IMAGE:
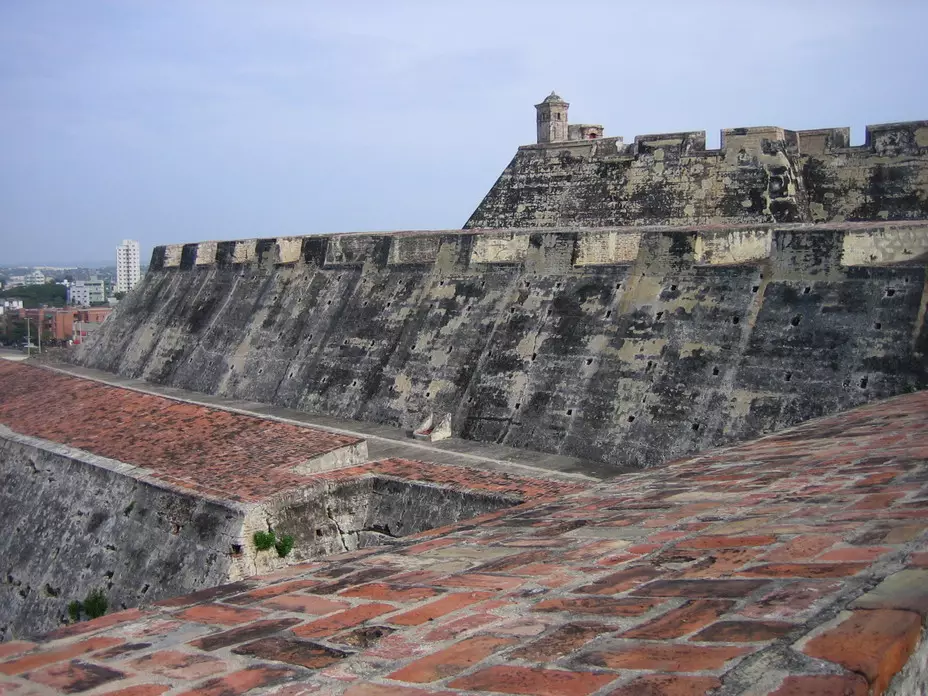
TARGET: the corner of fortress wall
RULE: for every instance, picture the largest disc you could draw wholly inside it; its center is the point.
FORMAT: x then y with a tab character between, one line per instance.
762	174
627	345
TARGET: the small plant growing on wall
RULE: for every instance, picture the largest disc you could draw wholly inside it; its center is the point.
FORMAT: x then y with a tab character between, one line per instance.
284	545
95	604
93	607
266	540
74	611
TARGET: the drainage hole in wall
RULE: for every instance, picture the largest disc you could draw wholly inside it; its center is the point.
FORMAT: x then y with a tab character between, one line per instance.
534	355
618	286
695	426
715	372
789	376
806	290
795	320
389	303
235	549
631	419
548	313
863	382
673	288
735	320
589	361
878	326
557	286
428	394
570	412
608	314
755	288
890	292
518	406
658	316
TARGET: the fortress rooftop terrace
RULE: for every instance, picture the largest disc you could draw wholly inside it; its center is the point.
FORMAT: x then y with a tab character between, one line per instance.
794	564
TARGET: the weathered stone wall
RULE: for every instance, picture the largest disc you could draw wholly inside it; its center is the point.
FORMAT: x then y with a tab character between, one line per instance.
623	345
758	175
75	522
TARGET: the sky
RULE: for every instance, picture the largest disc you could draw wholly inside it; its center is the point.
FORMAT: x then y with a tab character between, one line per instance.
173	121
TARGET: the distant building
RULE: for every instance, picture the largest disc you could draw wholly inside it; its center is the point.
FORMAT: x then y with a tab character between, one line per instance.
57	324
86	292
86	321
128	269
10	305
34	278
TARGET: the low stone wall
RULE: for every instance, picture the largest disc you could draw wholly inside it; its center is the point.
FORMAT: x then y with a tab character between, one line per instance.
75	522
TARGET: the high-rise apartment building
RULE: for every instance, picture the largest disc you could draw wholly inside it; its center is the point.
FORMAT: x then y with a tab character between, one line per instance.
128	270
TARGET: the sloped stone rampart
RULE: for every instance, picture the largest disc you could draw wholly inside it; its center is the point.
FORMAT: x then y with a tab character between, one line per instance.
76	522
554	340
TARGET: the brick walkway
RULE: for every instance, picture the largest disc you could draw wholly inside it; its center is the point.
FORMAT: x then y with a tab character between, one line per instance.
201	449
796	564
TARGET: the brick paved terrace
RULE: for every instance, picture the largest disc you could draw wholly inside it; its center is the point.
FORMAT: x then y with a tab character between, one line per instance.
795	564
210	451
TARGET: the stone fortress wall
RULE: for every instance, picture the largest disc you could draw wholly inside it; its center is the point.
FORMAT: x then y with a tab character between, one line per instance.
77	522
624	345
763	174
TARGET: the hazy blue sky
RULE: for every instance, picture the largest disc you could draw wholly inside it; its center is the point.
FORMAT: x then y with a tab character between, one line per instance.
185	120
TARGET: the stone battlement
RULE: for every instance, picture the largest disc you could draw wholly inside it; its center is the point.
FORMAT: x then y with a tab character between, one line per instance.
863	244
884	139
576	178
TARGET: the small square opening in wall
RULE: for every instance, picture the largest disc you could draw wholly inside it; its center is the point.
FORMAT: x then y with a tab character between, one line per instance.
890	292
570	412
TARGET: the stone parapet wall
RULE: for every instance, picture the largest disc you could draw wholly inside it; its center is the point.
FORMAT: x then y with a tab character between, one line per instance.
863	244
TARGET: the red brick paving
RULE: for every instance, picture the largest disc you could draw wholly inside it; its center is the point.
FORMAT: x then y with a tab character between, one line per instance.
725	554
205	449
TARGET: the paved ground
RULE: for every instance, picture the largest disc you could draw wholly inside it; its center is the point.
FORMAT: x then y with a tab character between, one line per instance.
795	564
383	442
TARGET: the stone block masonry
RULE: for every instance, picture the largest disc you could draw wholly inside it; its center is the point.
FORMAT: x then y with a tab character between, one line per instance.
627	345
765	174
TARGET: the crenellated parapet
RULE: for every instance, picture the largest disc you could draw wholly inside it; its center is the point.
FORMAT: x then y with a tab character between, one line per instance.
762	174
862	244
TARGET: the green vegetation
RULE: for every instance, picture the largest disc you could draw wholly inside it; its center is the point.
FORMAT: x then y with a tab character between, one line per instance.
284	545
266	540
37	295
93	607
95	604
74	611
